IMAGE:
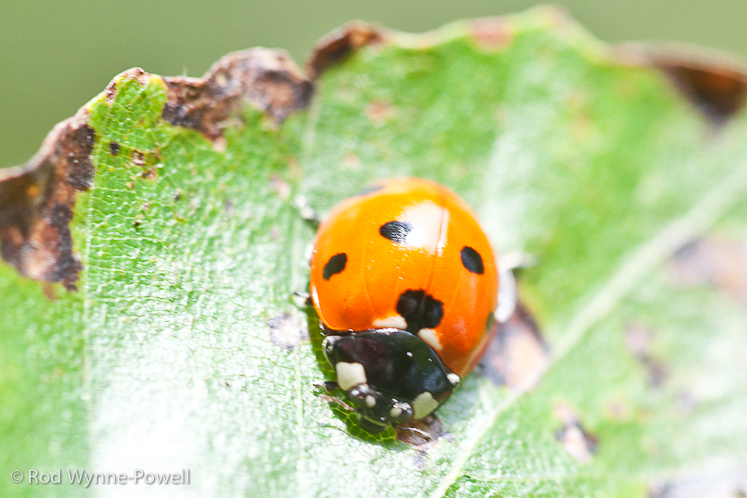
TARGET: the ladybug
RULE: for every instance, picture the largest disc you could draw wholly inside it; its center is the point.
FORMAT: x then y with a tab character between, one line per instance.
405	284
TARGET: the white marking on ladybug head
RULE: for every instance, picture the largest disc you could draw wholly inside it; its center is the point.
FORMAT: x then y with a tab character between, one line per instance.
370	401
394	321
428	221
424	404
350	374
430	336
395	412
454	379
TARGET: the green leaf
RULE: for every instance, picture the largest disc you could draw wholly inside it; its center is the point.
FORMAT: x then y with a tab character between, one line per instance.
191	248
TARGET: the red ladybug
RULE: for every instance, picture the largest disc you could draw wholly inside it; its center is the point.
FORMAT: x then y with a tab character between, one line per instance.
405	284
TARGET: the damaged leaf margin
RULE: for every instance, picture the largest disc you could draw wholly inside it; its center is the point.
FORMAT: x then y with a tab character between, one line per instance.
37	202
37	199
715	83
266	79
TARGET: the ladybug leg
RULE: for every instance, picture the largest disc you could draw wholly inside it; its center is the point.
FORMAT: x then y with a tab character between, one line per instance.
327	395
302	299
334	399
507	293
328	386
308	214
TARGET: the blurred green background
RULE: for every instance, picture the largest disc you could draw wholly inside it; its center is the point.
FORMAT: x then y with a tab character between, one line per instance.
55	56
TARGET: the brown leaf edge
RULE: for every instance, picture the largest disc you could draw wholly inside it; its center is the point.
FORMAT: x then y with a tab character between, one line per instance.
37	198
338	45
266	79
714	82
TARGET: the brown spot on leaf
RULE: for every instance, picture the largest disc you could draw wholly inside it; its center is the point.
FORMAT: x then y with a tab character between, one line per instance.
149	174
638	340
718	262
339	44
716	85
287	331
491	33
228	206
37	199
380	111
657	372
267	79
137	157
580	444
517	356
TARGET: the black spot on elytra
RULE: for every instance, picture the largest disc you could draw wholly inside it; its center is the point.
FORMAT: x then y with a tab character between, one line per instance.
396	231
420	310
335	265
371	189
114	147
472	260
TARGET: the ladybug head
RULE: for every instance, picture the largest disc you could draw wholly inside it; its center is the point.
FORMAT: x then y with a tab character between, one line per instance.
389	375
